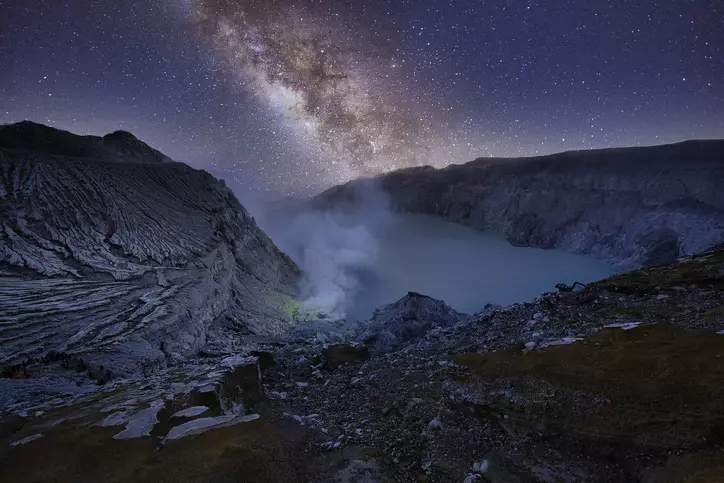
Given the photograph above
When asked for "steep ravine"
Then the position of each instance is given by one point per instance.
(632, 206)
(113, 253)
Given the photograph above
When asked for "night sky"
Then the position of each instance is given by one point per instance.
(290, 97)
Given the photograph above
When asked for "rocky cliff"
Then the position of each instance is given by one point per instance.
(632, 206)
(113, 253)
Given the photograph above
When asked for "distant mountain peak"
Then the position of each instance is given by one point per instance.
(118, 146)
(121, 135)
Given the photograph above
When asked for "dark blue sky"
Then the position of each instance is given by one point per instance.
(241, 88)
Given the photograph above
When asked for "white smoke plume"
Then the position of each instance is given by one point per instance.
(333, 248)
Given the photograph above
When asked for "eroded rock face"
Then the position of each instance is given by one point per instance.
(112, 252)
(635, 206)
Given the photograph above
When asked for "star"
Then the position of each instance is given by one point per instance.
(294, 96)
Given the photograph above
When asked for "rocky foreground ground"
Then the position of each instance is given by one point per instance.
(620, 381)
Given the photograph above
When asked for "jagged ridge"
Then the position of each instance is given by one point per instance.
(118, 146)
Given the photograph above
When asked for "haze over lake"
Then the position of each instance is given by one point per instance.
(465, 267)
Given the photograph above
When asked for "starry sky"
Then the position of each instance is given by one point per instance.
(287, 97)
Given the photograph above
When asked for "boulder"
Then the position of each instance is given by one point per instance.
(339, 354)
(238, 388)
(406, 321)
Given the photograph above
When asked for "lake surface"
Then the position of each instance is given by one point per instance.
(464, 267)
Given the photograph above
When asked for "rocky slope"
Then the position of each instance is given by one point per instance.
(632, 206)
(147, 333)
(115, 255)
(619, 381)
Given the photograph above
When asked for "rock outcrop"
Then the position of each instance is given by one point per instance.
(114, 253)
(632, 206)
(406, 321)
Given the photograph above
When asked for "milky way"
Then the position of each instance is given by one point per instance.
(323, 74)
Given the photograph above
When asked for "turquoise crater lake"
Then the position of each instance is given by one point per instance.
(466, 268)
